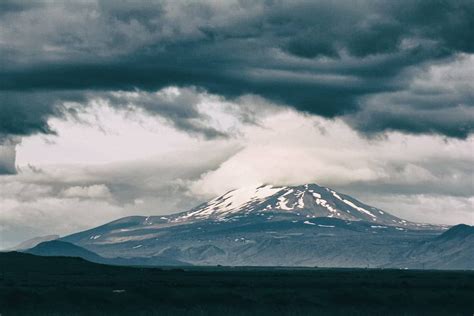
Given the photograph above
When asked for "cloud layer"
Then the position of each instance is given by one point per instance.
(371, 63)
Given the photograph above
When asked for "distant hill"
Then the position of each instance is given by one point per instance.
(30, 243)
(458, 232)
(64, 249)
(20, 261)
(454, 249)
(59, 248)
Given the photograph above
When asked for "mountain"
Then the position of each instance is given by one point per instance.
(458, 232)
(30, 243)
(306, 225)
(454, 249)
(57, 248)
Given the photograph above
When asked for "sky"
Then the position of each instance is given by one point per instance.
(118, 108)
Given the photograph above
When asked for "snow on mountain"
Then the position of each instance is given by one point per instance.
(310, 200)
(232, 202)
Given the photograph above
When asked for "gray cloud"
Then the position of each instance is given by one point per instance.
(24, 112)
(7, 156)
(329, 58)
(71, 198)
(178, 106)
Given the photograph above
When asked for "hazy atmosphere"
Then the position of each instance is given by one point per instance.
(111, 109)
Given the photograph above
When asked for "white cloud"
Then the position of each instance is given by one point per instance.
(428, 208)
(20, 220)
(101, 134)
(95, 191)
(292, 149)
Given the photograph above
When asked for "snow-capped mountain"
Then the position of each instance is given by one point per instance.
(309, 200)
(302, 225)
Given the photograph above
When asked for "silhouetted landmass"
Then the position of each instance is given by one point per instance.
(65, 249)
(34, 285)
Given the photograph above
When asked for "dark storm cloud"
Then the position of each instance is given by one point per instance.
(330, 58)
(26, 112)
(452, 122)
(179, 108)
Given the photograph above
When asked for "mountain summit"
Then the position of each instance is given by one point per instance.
(309, 200)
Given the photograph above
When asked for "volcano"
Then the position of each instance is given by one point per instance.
(265, 225)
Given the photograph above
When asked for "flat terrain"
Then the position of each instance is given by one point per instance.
(32, 285)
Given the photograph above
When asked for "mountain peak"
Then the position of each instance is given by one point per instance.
(308, 200)
(458, 231)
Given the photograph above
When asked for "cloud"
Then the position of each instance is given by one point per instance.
(69, 198)
(321, 57)
(187, 111)
(25, 113)
(7, 159)
(95, 191)
(8, 155)
(291, 148)
(46, 214)
(184, 108)
(450, 210)
(438, 99)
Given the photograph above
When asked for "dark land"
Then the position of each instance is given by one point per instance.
(35, 285)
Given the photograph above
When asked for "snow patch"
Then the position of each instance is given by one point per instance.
(360, 209)
(283, 202)
(336, 195)
(233, 201)
(324, 203)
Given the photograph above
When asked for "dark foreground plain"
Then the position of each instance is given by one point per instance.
(33, 285)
